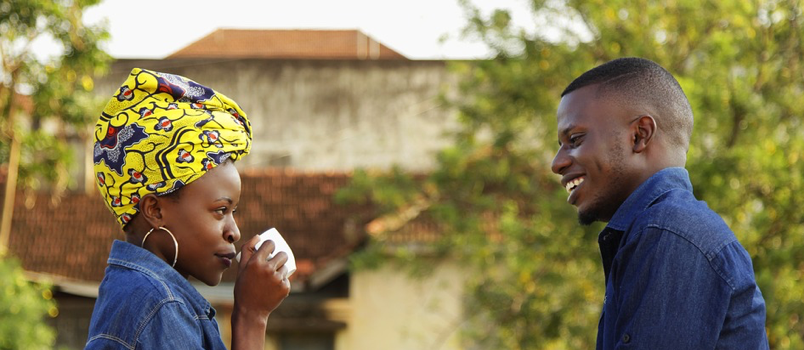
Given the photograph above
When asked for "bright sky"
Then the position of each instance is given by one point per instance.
(157, 28)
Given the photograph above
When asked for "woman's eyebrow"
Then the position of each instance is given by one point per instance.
(225, 198)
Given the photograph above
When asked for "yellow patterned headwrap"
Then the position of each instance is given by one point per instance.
(160, 132)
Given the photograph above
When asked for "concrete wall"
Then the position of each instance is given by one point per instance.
(394, 311)
(386, 309)
(325, 115)
(341, 115)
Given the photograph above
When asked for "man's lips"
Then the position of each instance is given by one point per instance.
(573, 182)
(571, 185)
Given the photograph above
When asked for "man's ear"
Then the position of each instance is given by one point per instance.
(644, 128)
(151, 209)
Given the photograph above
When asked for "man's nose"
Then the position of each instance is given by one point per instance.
(560, 162)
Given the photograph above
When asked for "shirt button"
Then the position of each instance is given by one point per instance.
(626, 338)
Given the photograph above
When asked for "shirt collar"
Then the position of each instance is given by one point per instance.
(136, 258)
(648, 192)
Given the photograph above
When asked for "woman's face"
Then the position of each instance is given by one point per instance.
(201, 219)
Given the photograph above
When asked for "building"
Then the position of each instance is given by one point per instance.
(322, 103)
(288, 44)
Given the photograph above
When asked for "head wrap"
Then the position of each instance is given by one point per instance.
(160, 132)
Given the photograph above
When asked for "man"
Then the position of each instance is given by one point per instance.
(676, 276)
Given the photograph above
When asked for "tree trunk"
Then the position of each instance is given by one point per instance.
(10, 195)
(13, 170)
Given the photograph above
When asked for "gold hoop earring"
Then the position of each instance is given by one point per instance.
(175, 242)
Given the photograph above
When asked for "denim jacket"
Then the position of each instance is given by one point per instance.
(676, 276)
(143, 303)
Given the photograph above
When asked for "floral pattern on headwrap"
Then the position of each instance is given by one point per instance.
(160, 132)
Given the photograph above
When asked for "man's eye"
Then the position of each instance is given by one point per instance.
(575, 140)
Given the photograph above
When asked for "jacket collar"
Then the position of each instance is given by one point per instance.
(130, 256)
(647, 193)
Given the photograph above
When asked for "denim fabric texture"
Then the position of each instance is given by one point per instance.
(143, 303)
(676, 276)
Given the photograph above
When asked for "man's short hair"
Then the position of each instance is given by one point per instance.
(641, 82)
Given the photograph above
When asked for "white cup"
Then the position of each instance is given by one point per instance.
(280, 246)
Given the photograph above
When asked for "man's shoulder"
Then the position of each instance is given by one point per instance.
(682, 216)
(691, 227)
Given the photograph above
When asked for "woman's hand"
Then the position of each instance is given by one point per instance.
(261, 286)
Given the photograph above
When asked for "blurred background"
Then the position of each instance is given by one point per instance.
(403, 150)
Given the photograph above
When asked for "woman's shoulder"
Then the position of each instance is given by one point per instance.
(128, 288)
(128, 301)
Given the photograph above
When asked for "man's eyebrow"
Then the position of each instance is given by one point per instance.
(565, 132)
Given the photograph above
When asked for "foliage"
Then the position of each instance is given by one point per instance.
(45, 103)
(23, 309)
(536, 280)
(52, 96)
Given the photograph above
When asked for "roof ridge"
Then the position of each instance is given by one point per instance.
(73, 239)
(288, 43)
(256, 172)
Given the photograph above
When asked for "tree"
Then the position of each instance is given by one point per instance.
(22, 306)
(58, 91)
(537, 280)
(35, 91)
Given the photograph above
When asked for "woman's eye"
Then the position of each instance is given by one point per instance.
(221, 210)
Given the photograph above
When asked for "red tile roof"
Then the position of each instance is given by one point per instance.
(72, 239)
(298, 44)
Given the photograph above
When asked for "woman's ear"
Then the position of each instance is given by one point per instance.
(151, 209)
(644, 128)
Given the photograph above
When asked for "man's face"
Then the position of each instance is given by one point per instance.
(593, 155)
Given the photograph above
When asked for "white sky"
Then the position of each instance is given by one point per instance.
(157, 28)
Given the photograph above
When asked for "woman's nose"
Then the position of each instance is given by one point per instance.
(232, 233)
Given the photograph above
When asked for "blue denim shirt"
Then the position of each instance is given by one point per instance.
(143, 303)
(676, 276)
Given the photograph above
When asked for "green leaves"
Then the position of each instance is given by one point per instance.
(500, 210)
(44, 104)
(23, 308)
(47, 92)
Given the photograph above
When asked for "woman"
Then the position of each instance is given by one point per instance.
(164, 153)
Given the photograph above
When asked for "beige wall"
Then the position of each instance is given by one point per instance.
(325, 115)
(393, 311)
(341, 115)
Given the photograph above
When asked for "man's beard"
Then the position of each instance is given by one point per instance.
(605, 204)
(586, 218)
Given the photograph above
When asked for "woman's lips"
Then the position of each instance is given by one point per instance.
(226, 259)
